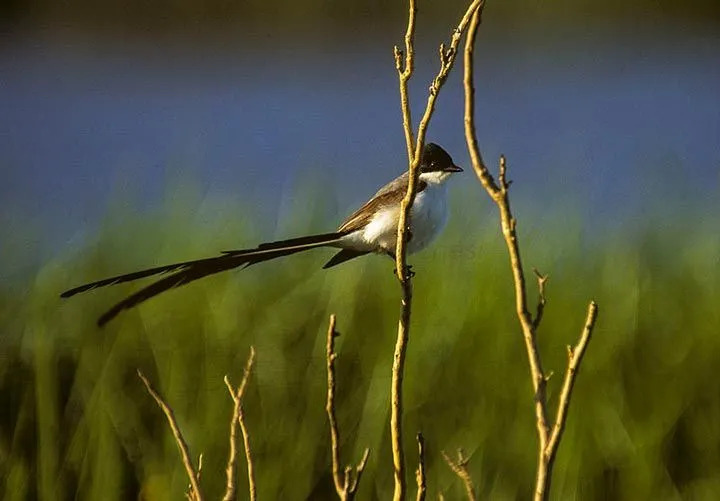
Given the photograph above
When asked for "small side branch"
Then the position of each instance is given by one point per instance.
(459, 467)
(238, 417)
(192, 473)
(539, 310)
(346, 484)
(575, 356)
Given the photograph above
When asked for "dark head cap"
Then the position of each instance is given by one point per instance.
(435, 159)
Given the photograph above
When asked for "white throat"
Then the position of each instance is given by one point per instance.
(436, 177)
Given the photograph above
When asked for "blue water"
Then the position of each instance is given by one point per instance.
(615, 128)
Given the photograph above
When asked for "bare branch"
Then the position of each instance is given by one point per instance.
(420, 472)
(238, 418)
(345, 485)
(192, 473)
(499, 192)
(447, 58)
(459, 467)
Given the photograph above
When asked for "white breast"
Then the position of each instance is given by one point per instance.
(428, 217)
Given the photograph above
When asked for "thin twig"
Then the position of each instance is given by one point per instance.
(345, 485)
(420, 472)
(499, 192)
(447, 58)
(459, 467)
(238, 418)
(179, 440)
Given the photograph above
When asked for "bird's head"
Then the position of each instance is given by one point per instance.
(436, 165)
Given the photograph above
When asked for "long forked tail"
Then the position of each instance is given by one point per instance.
(189, 271)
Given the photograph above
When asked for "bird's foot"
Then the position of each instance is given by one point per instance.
(409, 273)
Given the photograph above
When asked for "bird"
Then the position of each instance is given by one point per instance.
(370, 229)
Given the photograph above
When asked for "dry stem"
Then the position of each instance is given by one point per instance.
(345, 485)
(447, 58)
(192, 473)
(548, 439)
(238, 417)
(459, 467)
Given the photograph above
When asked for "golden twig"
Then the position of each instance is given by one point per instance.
(447, 58)
(459, 467)
(499, 192)
(192, 473)
(345, 485)
(238, 417)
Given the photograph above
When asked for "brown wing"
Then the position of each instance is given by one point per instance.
(390, 195)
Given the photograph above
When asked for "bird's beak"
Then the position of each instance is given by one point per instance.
(453, 168)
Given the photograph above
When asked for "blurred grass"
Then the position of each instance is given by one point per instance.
(644, 423)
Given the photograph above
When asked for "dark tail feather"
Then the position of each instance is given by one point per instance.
(193, 272)
(129, 277)
(290, 246)
(205, 267)
(190, 271)
(342, 256)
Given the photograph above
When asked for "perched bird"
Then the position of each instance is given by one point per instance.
(370, 229)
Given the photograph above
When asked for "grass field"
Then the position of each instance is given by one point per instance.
(76, 422)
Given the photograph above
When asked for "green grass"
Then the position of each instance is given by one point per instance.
(644, 422)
